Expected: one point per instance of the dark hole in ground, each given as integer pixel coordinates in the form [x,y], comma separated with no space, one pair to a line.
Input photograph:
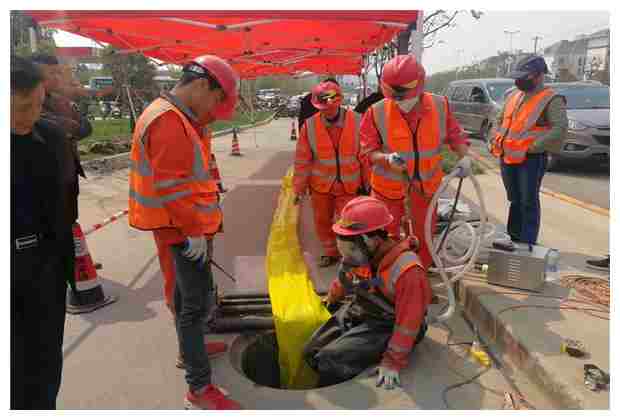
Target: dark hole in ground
[259,361]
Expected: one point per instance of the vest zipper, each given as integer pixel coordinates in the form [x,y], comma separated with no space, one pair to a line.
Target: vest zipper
[416,155]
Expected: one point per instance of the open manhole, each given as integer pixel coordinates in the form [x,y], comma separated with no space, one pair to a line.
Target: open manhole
[259,361]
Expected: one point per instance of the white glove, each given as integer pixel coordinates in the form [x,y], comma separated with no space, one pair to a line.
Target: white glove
[396,161]
[465,167]
[198,248]
[388,378]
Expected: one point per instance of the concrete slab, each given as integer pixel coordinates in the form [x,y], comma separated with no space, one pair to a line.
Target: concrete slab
[122,356]
[529,338]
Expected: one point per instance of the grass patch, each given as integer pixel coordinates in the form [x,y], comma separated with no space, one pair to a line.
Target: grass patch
[449,160]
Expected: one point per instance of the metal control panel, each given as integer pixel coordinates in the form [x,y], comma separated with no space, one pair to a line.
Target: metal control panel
[519,269]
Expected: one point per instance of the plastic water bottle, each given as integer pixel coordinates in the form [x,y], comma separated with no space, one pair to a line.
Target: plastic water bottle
[551,269]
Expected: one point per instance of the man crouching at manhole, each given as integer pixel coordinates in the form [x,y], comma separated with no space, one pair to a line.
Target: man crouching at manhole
[382,317]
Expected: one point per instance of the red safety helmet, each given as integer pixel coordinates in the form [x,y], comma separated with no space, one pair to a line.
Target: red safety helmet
[402,78]
[362,215]
[218,69]
[326,95]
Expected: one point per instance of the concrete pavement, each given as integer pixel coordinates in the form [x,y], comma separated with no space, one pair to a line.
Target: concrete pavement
[122,356]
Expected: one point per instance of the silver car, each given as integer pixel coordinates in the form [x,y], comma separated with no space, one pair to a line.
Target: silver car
[587,140]
[476,102]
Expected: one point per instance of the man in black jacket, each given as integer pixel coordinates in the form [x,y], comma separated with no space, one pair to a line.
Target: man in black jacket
[42,250]
[61,110]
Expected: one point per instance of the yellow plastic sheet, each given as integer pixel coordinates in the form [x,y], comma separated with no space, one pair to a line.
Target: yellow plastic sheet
[297,309]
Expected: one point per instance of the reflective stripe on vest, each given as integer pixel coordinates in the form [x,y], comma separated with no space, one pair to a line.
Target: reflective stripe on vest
[147,198]
[329,163]
[390,275]
[430,137]
[519,130]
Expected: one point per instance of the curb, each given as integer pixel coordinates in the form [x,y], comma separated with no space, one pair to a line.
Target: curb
[121,161]
[559,196]
[498,335]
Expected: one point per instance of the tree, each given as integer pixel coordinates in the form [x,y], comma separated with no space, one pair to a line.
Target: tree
[20,35]
[434,23]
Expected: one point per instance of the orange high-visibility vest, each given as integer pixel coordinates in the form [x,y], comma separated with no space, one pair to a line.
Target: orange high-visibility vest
[330,164]
[422,154]
[519,128]
[196,191]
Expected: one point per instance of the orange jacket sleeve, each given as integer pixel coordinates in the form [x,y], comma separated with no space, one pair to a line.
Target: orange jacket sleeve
[303,162]
[171,154]
[370,139]
[412,297]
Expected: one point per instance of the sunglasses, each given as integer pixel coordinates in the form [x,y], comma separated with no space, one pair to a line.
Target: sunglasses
[328,97]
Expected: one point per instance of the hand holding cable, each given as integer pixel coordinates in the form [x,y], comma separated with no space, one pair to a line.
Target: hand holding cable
[465,167]
[198,248]
[396,161]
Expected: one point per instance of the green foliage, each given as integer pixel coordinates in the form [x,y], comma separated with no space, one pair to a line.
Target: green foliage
[20,35]
[134,70]
[449,159]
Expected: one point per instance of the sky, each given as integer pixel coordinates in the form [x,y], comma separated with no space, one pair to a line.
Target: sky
[474,40]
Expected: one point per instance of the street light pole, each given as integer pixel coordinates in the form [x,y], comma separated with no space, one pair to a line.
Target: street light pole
[458,64]
[536,38]
[511,33]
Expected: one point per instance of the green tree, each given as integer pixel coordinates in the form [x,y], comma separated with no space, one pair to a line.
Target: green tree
[20,35]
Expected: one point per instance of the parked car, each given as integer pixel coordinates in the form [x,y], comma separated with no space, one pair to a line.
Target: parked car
[476,102]
[587,140]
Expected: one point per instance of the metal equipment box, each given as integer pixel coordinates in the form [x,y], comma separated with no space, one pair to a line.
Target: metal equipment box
[519,269]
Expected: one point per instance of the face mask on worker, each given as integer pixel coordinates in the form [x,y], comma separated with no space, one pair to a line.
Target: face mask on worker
[358,250]
[526,84]
[406,105]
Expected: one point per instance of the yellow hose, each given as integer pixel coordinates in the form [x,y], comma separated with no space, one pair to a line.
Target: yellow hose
[297,309]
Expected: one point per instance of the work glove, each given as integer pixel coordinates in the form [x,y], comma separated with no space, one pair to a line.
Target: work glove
[396,161]
[198,248]
[465,167]
[387,377]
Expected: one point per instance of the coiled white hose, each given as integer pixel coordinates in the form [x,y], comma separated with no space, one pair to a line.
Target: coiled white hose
[458,266]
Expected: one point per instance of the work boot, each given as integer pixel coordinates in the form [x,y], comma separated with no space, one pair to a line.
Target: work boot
[210,399]
[213,349]
[602,264]
[327,260]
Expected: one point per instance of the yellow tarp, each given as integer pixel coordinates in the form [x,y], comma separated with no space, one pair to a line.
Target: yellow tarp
[297,309]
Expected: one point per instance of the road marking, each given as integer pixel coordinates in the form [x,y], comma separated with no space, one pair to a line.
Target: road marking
[563,197]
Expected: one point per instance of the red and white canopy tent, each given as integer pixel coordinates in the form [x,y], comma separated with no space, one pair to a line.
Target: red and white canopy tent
[256,43]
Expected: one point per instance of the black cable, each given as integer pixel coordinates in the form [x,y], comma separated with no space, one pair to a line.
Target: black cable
[450,219]
[460,384]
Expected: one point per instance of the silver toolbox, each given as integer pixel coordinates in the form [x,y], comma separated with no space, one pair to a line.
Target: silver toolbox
[519,269]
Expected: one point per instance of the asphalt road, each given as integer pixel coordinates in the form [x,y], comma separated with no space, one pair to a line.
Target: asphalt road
[587,183]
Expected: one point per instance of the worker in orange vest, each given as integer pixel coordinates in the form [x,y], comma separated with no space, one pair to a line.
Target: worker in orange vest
[385,316]
[173,194]
[327,163]
[402,136]
[532,122]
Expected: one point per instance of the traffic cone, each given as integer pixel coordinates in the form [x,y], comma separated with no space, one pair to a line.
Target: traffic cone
[88,295]
[293,132]
[235,144]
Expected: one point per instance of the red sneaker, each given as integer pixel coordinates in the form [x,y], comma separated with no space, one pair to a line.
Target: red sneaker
[210,399]
[213,349]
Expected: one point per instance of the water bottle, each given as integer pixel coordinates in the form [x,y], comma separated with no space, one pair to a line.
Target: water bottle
[551,268]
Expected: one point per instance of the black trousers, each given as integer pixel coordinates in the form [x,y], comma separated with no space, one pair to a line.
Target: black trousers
[38,293]
[347,344]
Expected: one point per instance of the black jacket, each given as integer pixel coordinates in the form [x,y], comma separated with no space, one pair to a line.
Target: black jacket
[40,170]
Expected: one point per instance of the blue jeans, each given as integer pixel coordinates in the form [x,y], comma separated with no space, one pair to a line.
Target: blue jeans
[522,184]
[193,286]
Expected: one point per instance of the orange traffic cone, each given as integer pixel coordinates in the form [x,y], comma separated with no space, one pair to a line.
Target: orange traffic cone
[235,144]
[88,295]
[293,132]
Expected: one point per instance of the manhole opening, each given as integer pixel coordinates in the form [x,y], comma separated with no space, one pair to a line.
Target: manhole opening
[259,362]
